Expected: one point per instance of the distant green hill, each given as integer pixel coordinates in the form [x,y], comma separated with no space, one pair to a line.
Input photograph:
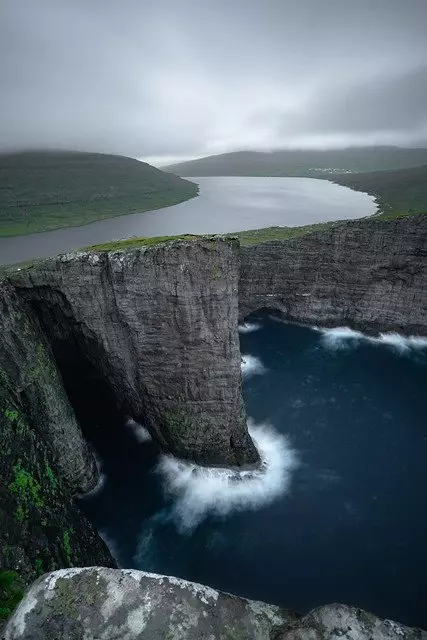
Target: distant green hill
[45,190]
[403,190]
[310,163]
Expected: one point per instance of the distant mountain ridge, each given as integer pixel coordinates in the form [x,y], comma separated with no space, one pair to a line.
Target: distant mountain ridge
[308,163]
[43,190]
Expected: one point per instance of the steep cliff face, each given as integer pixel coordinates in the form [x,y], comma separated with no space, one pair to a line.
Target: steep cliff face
[27,369]
[369,274]
[157,327]
[44,459]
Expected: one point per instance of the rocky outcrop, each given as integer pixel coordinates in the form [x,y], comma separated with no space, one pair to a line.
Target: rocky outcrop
[336,621]
[102,603]
[369,274]
[44,458]
[158,325]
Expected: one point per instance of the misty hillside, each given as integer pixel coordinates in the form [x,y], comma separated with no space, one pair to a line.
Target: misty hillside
[310,163]
[49,190]
[400,190]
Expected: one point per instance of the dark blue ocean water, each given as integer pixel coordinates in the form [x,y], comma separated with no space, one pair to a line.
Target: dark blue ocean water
[352,524]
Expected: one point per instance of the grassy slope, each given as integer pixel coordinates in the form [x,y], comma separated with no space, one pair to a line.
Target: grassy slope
[309,163]
[40,191]
[400,190]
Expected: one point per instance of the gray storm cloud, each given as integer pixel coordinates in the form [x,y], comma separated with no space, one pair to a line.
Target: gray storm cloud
[166,79]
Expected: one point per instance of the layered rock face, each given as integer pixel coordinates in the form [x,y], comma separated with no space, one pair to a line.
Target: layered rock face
[102,603]
[369,274]
[158,325]
[44,459]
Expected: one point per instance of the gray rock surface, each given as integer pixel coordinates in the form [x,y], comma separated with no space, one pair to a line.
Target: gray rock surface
[110,604]
[104,604]
[334,621]
[368,274]
[159,325]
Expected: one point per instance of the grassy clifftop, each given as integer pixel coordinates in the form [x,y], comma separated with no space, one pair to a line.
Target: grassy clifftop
[257,236]
[40,191]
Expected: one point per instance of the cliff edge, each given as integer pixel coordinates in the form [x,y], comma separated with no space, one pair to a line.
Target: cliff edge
[369,274]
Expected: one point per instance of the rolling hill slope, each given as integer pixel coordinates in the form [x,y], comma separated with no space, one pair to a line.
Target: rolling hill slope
[309,163]
[45,190]
[403,190]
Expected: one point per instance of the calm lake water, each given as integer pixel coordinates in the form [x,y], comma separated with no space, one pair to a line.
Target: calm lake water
[339,516]
[224,205]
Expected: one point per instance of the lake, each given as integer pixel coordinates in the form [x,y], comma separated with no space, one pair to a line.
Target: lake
[225,204]
[339,515]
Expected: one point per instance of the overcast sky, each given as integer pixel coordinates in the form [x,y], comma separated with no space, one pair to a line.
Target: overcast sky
[171,79]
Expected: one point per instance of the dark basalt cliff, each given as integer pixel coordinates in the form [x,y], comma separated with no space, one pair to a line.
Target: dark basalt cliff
[44,458]
[370,274]
[158,325]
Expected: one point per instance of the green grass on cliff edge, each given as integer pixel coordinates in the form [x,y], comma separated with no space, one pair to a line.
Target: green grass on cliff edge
[257,236]
[134,242]
[246,238]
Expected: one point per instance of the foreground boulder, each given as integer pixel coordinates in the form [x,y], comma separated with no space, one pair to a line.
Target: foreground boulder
[95,602]
[335,621]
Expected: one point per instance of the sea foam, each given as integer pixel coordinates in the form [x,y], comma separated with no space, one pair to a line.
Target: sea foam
[141,433]
[251,366]
[344,338]
[201,491]
[249,327]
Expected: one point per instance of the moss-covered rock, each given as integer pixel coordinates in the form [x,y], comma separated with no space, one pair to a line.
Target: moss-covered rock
[40,527]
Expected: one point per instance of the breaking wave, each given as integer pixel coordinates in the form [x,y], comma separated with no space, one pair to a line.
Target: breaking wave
[344,338]
[141,433]
[251,366]
[200,491]
[249,327]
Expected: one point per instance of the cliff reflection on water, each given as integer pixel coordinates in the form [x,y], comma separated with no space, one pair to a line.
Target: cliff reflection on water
[342,515]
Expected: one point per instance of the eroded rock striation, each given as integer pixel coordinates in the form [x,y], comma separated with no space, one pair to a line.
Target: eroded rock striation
[103,603]
[44,459]
[369,274]
[157,324]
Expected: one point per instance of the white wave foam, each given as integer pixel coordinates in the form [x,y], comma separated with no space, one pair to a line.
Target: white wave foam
[339,337]
[402,343]
[249,327]
[141,433]
[200,491]
[344,337]
[251,366]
